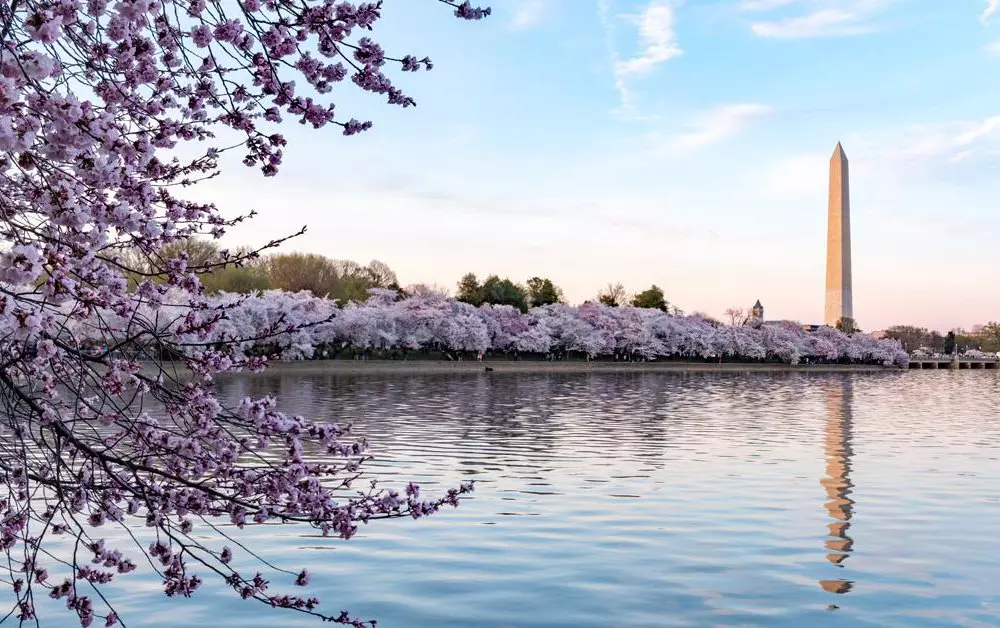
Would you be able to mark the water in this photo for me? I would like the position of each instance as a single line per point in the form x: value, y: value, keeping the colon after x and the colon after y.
x: 652, y: 500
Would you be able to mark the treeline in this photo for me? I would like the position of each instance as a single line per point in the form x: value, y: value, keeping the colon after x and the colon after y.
x: 341, y: 280
x: 345, y: 281
x: 984, y: 338
x: 539, y: 291
x: 496, y: 291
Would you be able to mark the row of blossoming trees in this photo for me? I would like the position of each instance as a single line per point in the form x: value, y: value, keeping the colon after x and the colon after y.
x: 299, y: 325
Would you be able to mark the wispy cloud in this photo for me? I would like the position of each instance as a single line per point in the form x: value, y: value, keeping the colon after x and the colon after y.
x: 528, y: 14
x: 751, y: 6
x: 952, y: 143
x: 656, y: 42
x: 993, y: 47
x: 992, y: 6
x: 719, y: 123
x: 604, y: 15
x: 920, y: 148
x: 831, y: 23
x: 823, y: 18
x: 953, y: 151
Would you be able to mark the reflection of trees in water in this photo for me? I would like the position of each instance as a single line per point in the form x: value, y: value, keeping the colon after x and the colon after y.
x: 507, y: 419
x: 838, y: 485
x: 531, y: 428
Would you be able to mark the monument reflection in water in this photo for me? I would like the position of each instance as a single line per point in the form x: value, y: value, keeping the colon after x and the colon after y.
x: 838, y: 485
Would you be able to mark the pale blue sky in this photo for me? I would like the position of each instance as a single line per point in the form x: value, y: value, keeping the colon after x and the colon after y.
x: 677, y: 142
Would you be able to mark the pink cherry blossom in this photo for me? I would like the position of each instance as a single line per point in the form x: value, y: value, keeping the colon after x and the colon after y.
x: 109, y: 112
x: 292, y: 326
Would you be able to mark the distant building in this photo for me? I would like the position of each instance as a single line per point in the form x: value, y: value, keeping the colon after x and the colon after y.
x: 756, y: 319
x: 880, y: 335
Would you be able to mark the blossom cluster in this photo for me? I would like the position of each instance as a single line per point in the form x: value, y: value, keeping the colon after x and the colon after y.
x: 109, y: 112
x: 316, y: 326
x: 976, y: 354
x: 972, y: 354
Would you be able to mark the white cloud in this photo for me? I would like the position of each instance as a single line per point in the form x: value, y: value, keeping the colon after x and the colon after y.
x: 752, y: 6
x: 604, y: 15
x: 913, y: 151
x: 924, y: 154
x: 528, y: 13
x: 824, y: 18
x: 719, y: 123
x: 656, y: 40
x: 992, y: 6
x: 960, y: 149
x: 993, y: 46
x: 828, y: 23
x: 983, y: 130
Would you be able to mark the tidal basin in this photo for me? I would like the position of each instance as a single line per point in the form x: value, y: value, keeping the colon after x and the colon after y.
x: 650, y: 499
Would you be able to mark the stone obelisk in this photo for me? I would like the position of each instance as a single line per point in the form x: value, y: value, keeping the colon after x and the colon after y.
x: 839, y: 301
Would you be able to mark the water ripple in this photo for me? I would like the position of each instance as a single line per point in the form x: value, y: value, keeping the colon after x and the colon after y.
x: 655, y: 499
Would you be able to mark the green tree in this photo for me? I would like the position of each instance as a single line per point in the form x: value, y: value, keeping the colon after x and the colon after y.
x: 248, y: 276
x: 469, y: 290
x: 543, y: 292
x: 651, y: 298
x: 303, y: 271
x: 966, y: 340
x: 913, y: 338
x: 353, y: 282
x: 991, y: 336
x: 613, y: 295
x: 949, y: 343
x: 148, y: 265
x: 847, y: 325
x: 504, y: 292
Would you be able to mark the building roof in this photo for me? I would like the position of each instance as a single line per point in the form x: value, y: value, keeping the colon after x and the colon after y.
x: 757, y: 304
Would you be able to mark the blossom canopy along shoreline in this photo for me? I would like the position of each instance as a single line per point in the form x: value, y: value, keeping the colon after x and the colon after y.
x: 298, y: 325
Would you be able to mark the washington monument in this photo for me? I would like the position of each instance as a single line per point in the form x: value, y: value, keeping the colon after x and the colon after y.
x: 839, y: 301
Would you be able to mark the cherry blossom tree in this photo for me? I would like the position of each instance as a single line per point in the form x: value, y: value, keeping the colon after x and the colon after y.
x: 108, y: 112
x: 506, y: 326
x: 432, y: 321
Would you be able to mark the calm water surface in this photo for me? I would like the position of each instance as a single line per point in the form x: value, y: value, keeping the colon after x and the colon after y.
x: 653, y: 500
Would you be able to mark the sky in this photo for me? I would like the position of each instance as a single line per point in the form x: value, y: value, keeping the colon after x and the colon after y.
x: 684, y: 143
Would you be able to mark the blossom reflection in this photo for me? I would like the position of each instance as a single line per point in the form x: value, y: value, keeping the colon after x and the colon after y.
x: 838, y: 485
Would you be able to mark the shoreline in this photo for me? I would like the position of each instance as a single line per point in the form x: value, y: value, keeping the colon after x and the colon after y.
x: 501, y: 367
